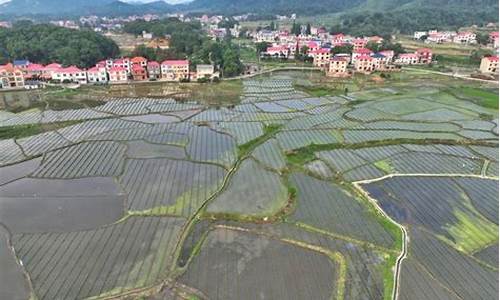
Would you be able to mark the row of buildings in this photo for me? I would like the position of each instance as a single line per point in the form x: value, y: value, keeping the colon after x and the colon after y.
x: 285, y: 45
x: 365, y: 61
x: 461, y: 37
x: 123, y: 70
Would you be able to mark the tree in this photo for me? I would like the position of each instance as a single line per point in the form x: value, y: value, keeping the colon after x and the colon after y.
x: 295, y: 28
x: 342, y: 49
x: 44, y: 43
x: 308, y: 28
x: 477, y: 55
x: 482, y: 38
x: 261, y: 47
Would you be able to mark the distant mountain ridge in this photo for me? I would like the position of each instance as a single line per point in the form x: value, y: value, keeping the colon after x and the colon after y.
x: 484, y: 8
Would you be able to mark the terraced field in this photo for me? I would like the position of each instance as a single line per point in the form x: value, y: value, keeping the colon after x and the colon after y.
x: 384, y: 193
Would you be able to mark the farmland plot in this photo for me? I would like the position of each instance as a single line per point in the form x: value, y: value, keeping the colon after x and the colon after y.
x: 439, y: 205
x: 131, y: 254
x: 332, y: 208
x: 208, y: 145
x: 364, y: 265
x: 270, y: 154
x: 103, y: 159
x: 22, y: 169
x: 238, y: 265
x: 40, y: 205
x: 13, y: 284
x: 167, y: 186
x: 252, y: 191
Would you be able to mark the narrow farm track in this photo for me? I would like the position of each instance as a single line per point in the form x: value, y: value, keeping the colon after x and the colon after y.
x: 405, y: 238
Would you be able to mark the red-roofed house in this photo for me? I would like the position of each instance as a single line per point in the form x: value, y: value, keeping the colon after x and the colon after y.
x: 313, y: 46
x: 360, y: 52
x: 278, y: 51
x: 364, y: 64
x: 118, y: 75
x: 407, y: 59
x: 122, y: 63
x: 34, y: 71
x: 424, y: 55
x: 154, y: 70
x: 338, y: 39
x: 11, y: 77
x: 389, y: 54
x: 139, y: 60
x: 175, y: 70
x: 321, y: 57
x: 489, y: 65
x: 71, y: 73
x: 97, y: 74
x: 139, y: 73
x: 338, y: 67
x: 50, y: 69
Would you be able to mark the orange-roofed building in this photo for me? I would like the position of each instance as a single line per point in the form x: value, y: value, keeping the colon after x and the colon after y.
x: 11, y: 77
x: 139, y: 60
x: 489, y: 65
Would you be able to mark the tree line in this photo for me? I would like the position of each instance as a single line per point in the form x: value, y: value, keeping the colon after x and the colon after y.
x: 44, y: 43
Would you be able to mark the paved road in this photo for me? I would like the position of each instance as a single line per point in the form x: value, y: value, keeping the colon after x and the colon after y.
x: 454, y: 75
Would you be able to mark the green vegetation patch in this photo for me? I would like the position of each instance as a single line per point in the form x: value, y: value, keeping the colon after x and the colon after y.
x: 269, y: 131
x: 472, y: 232
x: 385, y: 165
x: 483, y: 97
x: 20, y: 131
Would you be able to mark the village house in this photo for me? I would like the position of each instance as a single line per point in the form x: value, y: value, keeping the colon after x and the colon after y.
x: 11, y: 77
x: 489, y: 65
x: 118, y: 75
x: 419, y: 34
x: 139, y: 73
x: 321, y: 57
x: 34, y: 71
x: 70, y: 74
x: 359, y: 43
x: 407, y: 59
x: 337, y: 67
x: 49, y: 70
x: 494, y: 39
x: 279, y: 51
x: 379, y: 61
x: 267, y: 36
x: 360, y: 52
x: 345, y: 56
x: 364, y: 64
x: 389, y: 54
x: 338, y: 39
x: 154, y: 70
x: 465, y: 37
x: 206, y: 71
x: 313, y: 46
x: 122, y: 63
x: 424, y: 55
x: 139, y: 60
x: 97, y: 74
x: 175, y: 70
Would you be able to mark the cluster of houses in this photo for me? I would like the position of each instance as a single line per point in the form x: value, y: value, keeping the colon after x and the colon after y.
x: 24, y: 74
x: 461, y: 37
x: 319, y: 44
x: 366, y: 61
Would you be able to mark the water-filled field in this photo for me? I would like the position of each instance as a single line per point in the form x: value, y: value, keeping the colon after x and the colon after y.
x: 381, y: 193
